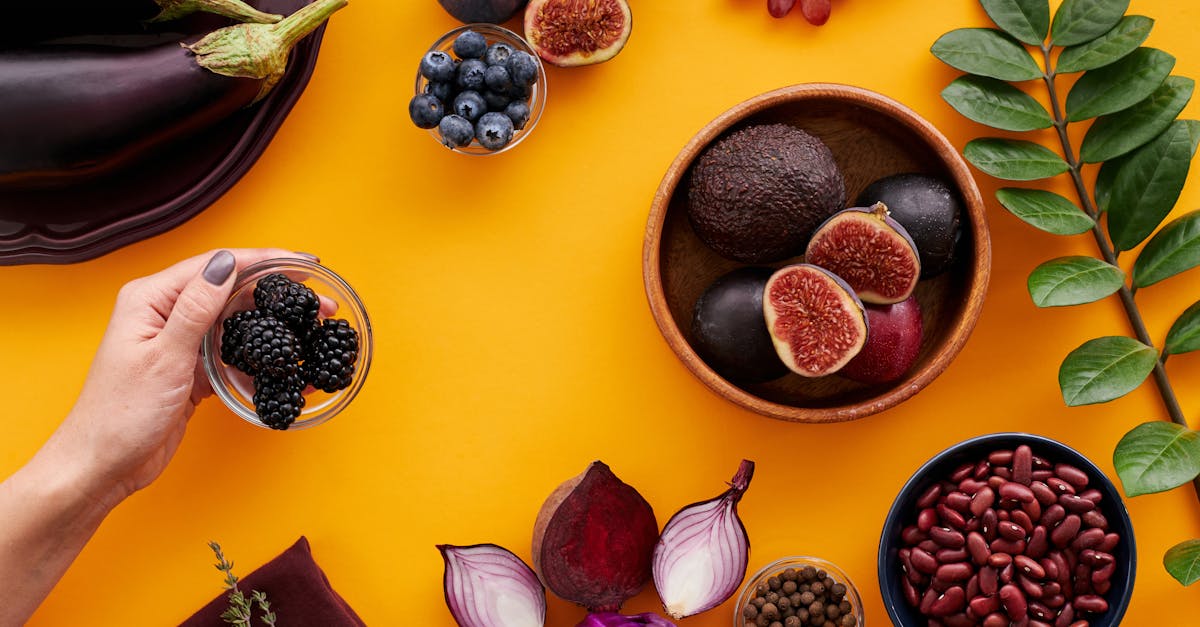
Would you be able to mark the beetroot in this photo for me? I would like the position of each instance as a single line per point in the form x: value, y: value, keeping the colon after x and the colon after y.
x: 593, y: 540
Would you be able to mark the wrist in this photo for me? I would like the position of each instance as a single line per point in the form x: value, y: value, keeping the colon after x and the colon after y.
x: 74, y: 475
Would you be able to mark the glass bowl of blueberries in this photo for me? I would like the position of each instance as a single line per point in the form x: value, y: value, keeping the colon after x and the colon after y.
x: 291, y: 348
x: 480, y: 90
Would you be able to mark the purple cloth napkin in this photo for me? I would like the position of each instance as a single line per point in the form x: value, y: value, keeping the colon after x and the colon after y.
x: 299, y: 593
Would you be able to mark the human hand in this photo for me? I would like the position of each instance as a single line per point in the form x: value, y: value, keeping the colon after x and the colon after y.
x: 147, y: 376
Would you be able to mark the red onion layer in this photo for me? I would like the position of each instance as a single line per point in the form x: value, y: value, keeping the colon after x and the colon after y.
x: 701, y: 556
x: 487, y: 586
x: 612, y: 619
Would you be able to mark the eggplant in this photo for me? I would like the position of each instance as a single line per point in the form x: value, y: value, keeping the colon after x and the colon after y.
x: 29, y: 21
x: 70, y: 112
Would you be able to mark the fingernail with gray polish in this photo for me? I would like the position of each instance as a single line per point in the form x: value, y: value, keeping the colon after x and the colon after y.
x: 309, y: 256
x: 219, y: 267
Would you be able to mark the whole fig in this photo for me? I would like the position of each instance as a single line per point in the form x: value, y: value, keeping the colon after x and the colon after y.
x: 490, y: 11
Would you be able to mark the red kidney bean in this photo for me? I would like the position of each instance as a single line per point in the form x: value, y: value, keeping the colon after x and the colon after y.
x: 1064, y: 569
x: 1013, y: 602
x: 1002, y: 472
x: 1088, y: 539
x: 1090, y: 603
x: 958, y: 620
x: 912, y: 535
x: 972, y: 525
x: 1033, y: 509
x: 971, y: 486
x: 1003, y: 514
x: 949, y: 556
x: 982, y: 470
x: 1002, y: 457
x: 1080, y: 623
x: 923, y: 562
x: 964, y: 471
x: 1006, y: 574
x: 999, y: 560
x: 1095, y: 559
x: 1012, y: 547
x: 1041, y: 475
x: 1051, y: 590
x: 1040, y: 612
x: 1076, y: 504
x: 1053, y: 515
x: 1071, y: 475
x: 927, y: 519
x: 1044, y: 494
x: 958, y: 501
x: 1039, y: 542
x: 1031, y: 588
x: 1092, y: 495
x: 1064, y: 533
x: 987, y: 524
x: 973, y: 585
x: 1038, y: 623
x: 1111, y: 540
x: 1041, y: 463
x: 910, y: 593
x: 978, y: 548
x: 982, y: 501
x: 1053, y: 601
x: 1017, y: 491
x: 1065, y: 617
x: 940, y: 585
x: 927, y: 600
x: 1023, y: 519
x: 1104, y: 573
x: 1102, y: 587
x: 1029, y: 566
x: 952, y: 600
x: 1094, y: 519
x: 948, y: 538
x: 951, y: 518
x: 984, y: 605
x: 956, y: 572
x: 1051, y: 568
x: 930, y: 496
x: 1011, y: 531
x: 1060, y: 486
x: 989, y: 580
x: 929, y: 546
x: 1022, y: 464
x: 995, y: 620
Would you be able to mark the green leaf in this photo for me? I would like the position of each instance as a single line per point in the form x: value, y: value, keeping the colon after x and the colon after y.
x: 1014, y: 160
x: 1174, y: 249
x: 1184, y: 336
x: 1183, y: 562
x: 996, y: 104
x: 1104, y: 369
x: 986, y: 52
x: 1120, y: 85
x: 1027, y: 20
x: 1073, y: 281
x: 1157, y: 456
x: 1104, y: 182
x: 1114, y: 135
x: 1147, y: 186
x: 1123, y: 39
x: 1045, y: 210
x: 1080, y: 21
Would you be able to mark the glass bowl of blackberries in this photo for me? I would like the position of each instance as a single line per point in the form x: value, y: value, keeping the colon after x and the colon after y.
x: 480, y: 90
x: 292, y: 347
x: 799, y: 591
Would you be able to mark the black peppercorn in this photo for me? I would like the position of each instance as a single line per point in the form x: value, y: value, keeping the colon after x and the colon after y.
x: 774, y: 583
x: 844, y: 606
x: 838, y: 590
x: 750, y: 612
x: 772, y: 597
x: 789, y: 586
x: 817, y: 607
x: 784, y: 604
x: 795, y: 599
x: 816, y: 620
x: 789, y: 574
x: 818, y: 588
x: 832, y: 611
x: 792, y: 621
x: 770, y: 611
x: 849, y: 620
x: 761, y: 621
x: 776, y: 624
x: 807, y: 573
x: 759, y: 602
x: 807, y: 597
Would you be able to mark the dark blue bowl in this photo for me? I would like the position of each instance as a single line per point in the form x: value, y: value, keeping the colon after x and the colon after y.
x: 904, y: 513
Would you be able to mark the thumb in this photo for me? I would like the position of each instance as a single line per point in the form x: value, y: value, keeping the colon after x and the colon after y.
x: 200, y: 303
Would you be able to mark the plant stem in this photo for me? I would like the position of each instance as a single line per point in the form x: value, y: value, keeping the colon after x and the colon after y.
x: 1174, y: 411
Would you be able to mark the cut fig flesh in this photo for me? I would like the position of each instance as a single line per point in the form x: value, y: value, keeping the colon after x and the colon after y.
x: 870, y: 251
x: 816, y: 322
x: 570, y: 33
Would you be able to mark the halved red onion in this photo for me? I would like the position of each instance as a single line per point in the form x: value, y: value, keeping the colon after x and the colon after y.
x: 701, y: 556
x: 487, y: 586
x: 613, y: 619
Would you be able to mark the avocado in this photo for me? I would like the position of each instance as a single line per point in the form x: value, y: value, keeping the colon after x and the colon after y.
x: 757, y: 194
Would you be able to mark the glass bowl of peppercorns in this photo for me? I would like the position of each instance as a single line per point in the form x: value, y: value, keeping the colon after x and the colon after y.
x: 292, y: 347
x: 799, y: 592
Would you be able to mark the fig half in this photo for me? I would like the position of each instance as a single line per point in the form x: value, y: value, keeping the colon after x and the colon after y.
x: 870, y: 251
x: 816, y: 322
x: 570, y: 33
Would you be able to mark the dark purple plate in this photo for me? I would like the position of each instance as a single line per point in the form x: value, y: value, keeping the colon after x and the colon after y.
x: 83, y: 221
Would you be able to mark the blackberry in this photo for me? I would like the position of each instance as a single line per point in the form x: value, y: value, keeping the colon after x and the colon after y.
x: 329, y: 355
x: 269, y: 347
x: 290, y: 302
x: 278, y: 400
x: 233, y: 332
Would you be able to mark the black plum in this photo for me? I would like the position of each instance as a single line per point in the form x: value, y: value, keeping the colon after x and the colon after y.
x: 729, y: 330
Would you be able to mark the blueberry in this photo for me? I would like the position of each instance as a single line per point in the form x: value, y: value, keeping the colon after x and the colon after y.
x: 470, y: 105
x: 456, y: 131
x: 522, y: 67
x: 497, y: 54
x: 437, y: 66
x: 470, y: 45
x: 442, y: 91
x: 470, y: 74
x: 426, y: 110
x: 518, y: 112
x: 496, y: 78
x: 495, y: 101
x: 494, y: 130
x: 518, y: 92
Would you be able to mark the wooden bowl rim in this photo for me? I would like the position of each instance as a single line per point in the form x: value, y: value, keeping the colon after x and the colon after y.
x: 979, y: 275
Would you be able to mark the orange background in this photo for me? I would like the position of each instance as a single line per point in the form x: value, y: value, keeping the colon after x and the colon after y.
x: 514, y: 343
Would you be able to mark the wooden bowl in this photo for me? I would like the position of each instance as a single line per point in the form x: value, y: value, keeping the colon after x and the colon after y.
x: 871, y: 136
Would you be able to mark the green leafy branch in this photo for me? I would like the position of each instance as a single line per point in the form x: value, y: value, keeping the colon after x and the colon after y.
x: 240, y: 608
x: 1144, y: 153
